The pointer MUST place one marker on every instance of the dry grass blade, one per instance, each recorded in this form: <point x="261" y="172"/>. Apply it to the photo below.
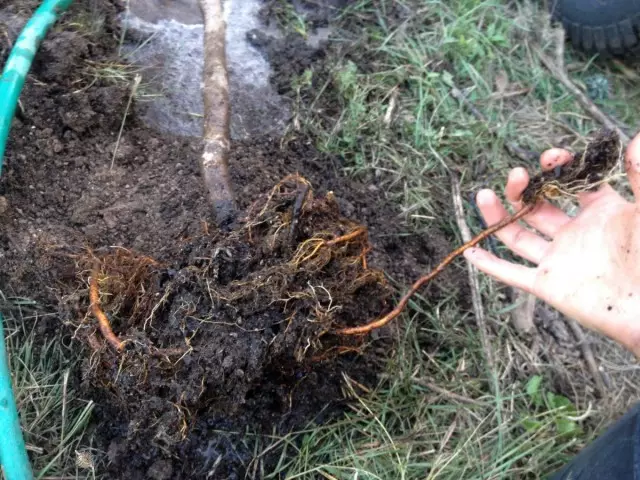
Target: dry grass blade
<point x="561" y="75"/>
<point x="134" y="89"/>
<point x="476" y="297"/>
<point x="446" y="393"/>
<point x="589" y="358"/>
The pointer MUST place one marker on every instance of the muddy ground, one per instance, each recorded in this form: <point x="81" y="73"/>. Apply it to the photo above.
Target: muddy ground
<point x="168" y="405"/>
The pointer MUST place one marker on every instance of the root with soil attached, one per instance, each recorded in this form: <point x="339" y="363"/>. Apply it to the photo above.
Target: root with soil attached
<point x="295" y="271"/>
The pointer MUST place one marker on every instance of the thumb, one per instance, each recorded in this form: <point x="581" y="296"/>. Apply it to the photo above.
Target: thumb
<point x="632" y="166"/>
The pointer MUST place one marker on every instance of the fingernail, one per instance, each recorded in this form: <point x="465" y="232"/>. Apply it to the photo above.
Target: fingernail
<point x="485" y="197"/>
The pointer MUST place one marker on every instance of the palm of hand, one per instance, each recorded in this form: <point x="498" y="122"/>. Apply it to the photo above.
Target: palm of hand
<point x="590" y="269"/>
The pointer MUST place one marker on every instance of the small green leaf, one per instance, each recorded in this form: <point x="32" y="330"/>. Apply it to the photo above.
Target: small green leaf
<point x="533" y="386"/>
<point x="447" y="78"/>
<point x="566" y="427"/>
<point x="559" y="401"/>
<point x="531" y="425"/>
<point x="307" y="76"/>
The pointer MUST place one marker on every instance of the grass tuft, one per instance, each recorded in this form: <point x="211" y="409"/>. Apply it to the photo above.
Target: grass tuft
<point x="287" y="17"/>
<point x="53" y="417"/>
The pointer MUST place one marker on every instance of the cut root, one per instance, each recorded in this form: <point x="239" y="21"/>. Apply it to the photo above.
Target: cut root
<point x="349" y="236"/>
<point x="103" y="321"/>
<point x="319" y="249"/>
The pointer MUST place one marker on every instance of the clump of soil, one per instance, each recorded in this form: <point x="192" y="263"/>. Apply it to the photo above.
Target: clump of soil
<point x="200" y="333"/>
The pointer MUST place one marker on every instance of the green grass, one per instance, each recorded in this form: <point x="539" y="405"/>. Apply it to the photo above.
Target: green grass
<point x="52" y="415"/>
<point x="405" y="429"/>
<point x="287" y="18"/>
<point x="382" y="101"/>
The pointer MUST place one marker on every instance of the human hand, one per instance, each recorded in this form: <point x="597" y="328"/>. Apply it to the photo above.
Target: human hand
<point x="588" y="267"/>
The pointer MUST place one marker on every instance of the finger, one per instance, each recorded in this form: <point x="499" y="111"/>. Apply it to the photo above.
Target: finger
<point x="632" y="165"/>
<point x="520" y="240"/>
<point x="517" y="181"/>
<point x="605" y="193"/>
<point x="555" y="157"/>
<point x="512" y="274"/>
<point x="546" y="218"/>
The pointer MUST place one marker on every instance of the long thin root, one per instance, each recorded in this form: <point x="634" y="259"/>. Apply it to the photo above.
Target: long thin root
<point x="382" y="321"/>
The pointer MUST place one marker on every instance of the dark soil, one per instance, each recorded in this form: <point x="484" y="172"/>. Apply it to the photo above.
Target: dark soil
<point x="223" y="334"/>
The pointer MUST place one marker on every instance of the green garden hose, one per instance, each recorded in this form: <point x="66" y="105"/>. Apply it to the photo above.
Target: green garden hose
<point x="13" y="455"/>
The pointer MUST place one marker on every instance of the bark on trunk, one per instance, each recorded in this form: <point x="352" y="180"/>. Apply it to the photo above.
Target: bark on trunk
<point x="215" y="153"/>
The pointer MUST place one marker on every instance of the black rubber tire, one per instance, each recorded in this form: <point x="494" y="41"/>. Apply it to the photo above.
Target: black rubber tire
<point x="609" y="27"/>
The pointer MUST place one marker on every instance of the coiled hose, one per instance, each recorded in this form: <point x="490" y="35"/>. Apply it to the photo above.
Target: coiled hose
<point x="13" y="455"/>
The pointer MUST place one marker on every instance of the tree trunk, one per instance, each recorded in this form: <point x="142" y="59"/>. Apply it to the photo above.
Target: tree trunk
<point x="215" y="152"/>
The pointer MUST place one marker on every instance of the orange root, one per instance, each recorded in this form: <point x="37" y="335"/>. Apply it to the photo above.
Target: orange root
<point x="103" y="321"/>
<point x="382" y="321"/>
<point x="363" y="257"/>
<point x="349" y="236"/>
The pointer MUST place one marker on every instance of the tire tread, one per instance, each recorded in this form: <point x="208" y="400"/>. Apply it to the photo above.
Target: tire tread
<point x="619" y="39"/>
